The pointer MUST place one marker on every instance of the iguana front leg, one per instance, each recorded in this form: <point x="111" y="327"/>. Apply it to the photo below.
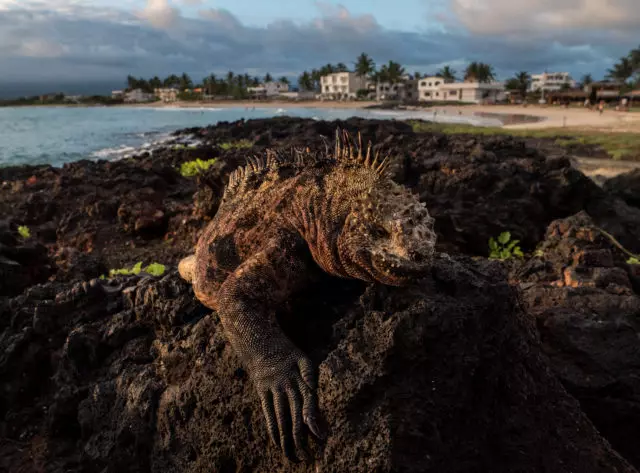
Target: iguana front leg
<point x="282" y="374"/>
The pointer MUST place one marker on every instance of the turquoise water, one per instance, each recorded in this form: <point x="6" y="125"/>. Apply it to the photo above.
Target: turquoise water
<point x="56" y="135"/>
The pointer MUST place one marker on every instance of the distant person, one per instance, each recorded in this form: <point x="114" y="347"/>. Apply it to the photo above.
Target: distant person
<point x="624" y="104"/>
<point x="601" y="107"/>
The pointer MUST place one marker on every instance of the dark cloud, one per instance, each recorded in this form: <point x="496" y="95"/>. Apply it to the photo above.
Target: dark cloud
<point x="92" y="44"/>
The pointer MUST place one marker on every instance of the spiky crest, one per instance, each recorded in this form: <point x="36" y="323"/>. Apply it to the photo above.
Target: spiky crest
<point x="346" y="152"/>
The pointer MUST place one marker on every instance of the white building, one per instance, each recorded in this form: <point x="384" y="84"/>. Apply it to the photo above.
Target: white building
<point x="550" y="81"/>
<point x="138" y="95"/>
<point x="429" y="89"/>
<point x="117" y="94"/>
<point x="167" y="94"/>
<point x="473" y="92"/>
<point x="342" y="85"/>
<point x="406" y="90"/>
<point x="268" y="89"/>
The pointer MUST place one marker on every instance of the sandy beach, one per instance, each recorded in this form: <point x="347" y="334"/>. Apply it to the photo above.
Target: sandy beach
<point x="553" y="117"/>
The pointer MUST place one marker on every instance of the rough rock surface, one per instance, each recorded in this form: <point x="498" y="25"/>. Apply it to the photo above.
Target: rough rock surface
<point x="626" y="186"/>
<point x="443" y="376"/>
<point x="23" y="261"/>
<point x="586" y="303"/>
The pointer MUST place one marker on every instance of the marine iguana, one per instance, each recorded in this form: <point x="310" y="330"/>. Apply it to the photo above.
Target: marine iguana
<point x="278" y="218"/>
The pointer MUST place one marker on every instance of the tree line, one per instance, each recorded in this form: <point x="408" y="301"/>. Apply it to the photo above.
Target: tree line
<point x="626" y="70"/>
<point x="391" y="72"/>
<point x="231" y="84"/>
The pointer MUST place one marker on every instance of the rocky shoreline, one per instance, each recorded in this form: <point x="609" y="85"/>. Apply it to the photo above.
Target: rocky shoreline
<point x="528" y="365"/>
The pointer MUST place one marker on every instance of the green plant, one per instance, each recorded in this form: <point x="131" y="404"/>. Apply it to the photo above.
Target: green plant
<point x="235" y="145"/>
<point x="24" y="232"/>
<point x="633" y="260"/>
<point x="154" y="269"/>
<point x="504" y="247"/>
<point x="193" y="168"/>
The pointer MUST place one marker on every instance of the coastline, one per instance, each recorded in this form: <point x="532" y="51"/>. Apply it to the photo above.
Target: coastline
<point x="548" y="116"/>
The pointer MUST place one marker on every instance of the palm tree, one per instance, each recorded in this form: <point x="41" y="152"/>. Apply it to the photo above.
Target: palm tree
<point x="284" y="80"/>
<point x="634" y="56"/>
<point x="268" y="77"/>
<point x="519" y="83"/>
<point x="341" y="67"/>
<point x="586" y="80"/>
<point x="621" y="71"/>
<point x="395" y="72"/>
<point x="417" y="75"/>
<point x="364" y="65"/>
<point x="305" y="81"/>
<point x="448" y="74"/>
<point x="185" y="81"/>
<point x="479" y="72"/>
<point x="316" y="76"/>
<point x="230" y="77"/>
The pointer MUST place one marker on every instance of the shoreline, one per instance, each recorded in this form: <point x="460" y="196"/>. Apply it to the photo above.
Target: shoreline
<point x="571" y="119"/>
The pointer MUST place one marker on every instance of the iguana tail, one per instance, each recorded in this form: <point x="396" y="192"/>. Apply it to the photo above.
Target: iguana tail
<point x="187" y="267"/>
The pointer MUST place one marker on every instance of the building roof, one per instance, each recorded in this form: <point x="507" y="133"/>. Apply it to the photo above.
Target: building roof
<point x="474" y="85"/>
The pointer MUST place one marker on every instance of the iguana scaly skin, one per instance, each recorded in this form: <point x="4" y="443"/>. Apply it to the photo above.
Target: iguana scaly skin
<point x="281" y="217"/>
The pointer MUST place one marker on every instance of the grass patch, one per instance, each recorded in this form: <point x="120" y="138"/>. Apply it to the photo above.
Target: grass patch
<point x="241" y="144"/>
<point x="24" y="232"/>
<point x="154" y="269"/>
<point x="193" y="168"/>
<point x="617" y="145"/>
<point x="180" y="146"/>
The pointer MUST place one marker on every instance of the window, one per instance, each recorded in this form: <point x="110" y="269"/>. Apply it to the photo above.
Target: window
<point x="453" y="92"/>
<point x="437" y="94"/>
<point x="423" y="84"/>
<point x="429" y="84"/>
<point x="437" y="82"/>
<point x="427" y="94"/>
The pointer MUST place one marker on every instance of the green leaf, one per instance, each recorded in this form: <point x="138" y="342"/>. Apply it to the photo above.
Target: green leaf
<point x="155" y="269"/>
<point x="137" y="268"/>
<point x="633" y="260"/>
<point x="24" y="232"/>
<point x="518" y="252"/>
<point x="504" y="237"/>
<point x="493" y="245"/>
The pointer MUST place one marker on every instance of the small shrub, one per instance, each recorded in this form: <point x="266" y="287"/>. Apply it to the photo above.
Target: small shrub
<point x="504" y="247"/>
<point x="193" y="168"/>
<point x="24" y="232"/>
<point x="235" y="145"/>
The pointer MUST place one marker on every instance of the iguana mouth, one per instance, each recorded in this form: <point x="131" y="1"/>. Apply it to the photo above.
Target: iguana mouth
<point x="388" y="266"/>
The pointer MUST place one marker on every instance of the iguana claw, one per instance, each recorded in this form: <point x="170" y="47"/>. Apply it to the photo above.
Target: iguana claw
<point x="288" y="398"/>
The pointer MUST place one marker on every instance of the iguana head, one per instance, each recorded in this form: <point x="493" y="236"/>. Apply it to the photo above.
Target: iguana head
<point x="388" y="235"/>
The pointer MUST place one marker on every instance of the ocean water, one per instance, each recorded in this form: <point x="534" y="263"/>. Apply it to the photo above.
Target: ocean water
<point x="56" y="135"/>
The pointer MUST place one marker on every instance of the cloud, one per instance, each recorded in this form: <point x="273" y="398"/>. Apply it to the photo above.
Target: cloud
<point x="541" y="18"/>
<point x="160" y="13"/>
<point x="67" y="39"/>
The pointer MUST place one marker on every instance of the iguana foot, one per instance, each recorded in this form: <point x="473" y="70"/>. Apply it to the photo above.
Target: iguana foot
<point x="286" y="386"/>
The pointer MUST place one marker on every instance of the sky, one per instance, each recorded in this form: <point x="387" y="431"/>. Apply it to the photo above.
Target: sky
<point x="97" y="43"/>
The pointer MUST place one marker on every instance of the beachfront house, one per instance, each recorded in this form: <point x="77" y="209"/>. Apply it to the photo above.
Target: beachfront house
<point x="405" y="90"/>
<point x="138" y="95"/>
<point x="166" y="94"/>
<point x="429" y="89"/>
<point x="117" y="94"/>
<point x="551" y="81"/>
<point x="268" y="89"/>
<point x="342" y="85"/>
<point x="473" y="92"/>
